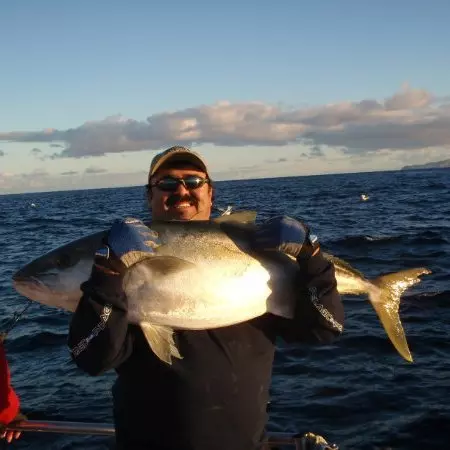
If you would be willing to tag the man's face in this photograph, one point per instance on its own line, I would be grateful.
(181, 204)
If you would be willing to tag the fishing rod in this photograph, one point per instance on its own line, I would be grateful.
(307, 441)
(12, 323)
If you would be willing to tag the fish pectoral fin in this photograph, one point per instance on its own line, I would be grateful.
(238, 216)
(160, 339)
(386, 303)
(168, 264)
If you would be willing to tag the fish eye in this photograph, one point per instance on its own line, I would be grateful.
(64, 261)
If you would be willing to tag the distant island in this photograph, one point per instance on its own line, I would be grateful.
(432, 165)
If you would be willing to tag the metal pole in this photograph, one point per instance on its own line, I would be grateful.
(106, 429)
(44, 426)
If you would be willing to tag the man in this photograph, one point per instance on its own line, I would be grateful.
(215, 397)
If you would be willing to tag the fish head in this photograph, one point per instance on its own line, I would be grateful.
(54, 279)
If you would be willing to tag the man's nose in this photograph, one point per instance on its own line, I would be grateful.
(181, 190)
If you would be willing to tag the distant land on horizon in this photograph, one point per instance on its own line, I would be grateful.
(431, 165)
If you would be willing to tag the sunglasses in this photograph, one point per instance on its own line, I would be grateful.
(170, 184)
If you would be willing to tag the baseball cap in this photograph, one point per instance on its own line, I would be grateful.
(177, 153)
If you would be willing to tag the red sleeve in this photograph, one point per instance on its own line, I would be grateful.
(9, 401)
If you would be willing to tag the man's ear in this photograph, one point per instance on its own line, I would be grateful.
(148, 196)
(148, 190)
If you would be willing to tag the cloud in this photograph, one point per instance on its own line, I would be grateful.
(33, 180)
(408, 99)
(316, 151)
(277, 161)
(5, 176)
(94, 170)
(42, 181)
(39, 154)
(410, 119)
(38, 173)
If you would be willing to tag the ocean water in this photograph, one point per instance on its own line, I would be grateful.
(357, 393)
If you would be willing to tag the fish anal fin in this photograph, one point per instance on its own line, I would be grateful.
(160, 339)
(386, 302)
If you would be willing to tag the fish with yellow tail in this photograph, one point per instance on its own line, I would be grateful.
(204, 274)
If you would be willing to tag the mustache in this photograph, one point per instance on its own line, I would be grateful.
(173, 199)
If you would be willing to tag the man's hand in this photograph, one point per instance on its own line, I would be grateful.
(128, 242)
(10, 435)
(287, 235)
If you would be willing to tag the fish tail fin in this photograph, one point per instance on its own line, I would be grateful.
(386, 302)
(160, 339)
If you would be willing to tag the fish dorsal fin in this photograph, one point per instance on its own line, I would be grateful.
(160, 339)
(166, 265)
(239, 216)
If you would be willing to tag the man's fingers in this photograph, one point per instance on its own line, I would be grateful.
(10, 435)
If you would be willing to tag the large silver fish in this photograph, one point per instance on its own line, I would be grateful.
(205, 275)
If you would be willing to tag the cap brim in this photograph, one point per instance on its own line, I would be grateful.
(179, 156)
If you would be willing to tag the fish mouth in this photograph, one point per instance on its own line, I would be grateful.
(28, 283)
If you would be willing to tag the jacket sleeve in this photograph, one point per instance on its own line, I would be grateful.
(99, 336)
(9, 400)
(318, 313)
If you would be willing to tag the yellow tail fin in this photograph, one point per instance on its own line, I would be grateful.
(386, 302)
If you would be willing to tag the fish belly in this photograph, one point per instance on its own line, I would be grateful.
(206, 296)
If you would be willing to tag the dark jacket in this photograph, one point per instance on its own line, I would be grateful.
(215, 398)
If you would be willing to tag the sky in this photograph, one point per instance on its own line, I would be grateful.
(91, 91)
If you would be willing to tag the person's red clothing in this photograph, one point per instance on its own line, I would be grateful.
(9, 401)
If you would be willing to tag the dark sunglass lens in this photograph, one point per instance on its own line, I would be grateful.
(168, 184)
(193, 182)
